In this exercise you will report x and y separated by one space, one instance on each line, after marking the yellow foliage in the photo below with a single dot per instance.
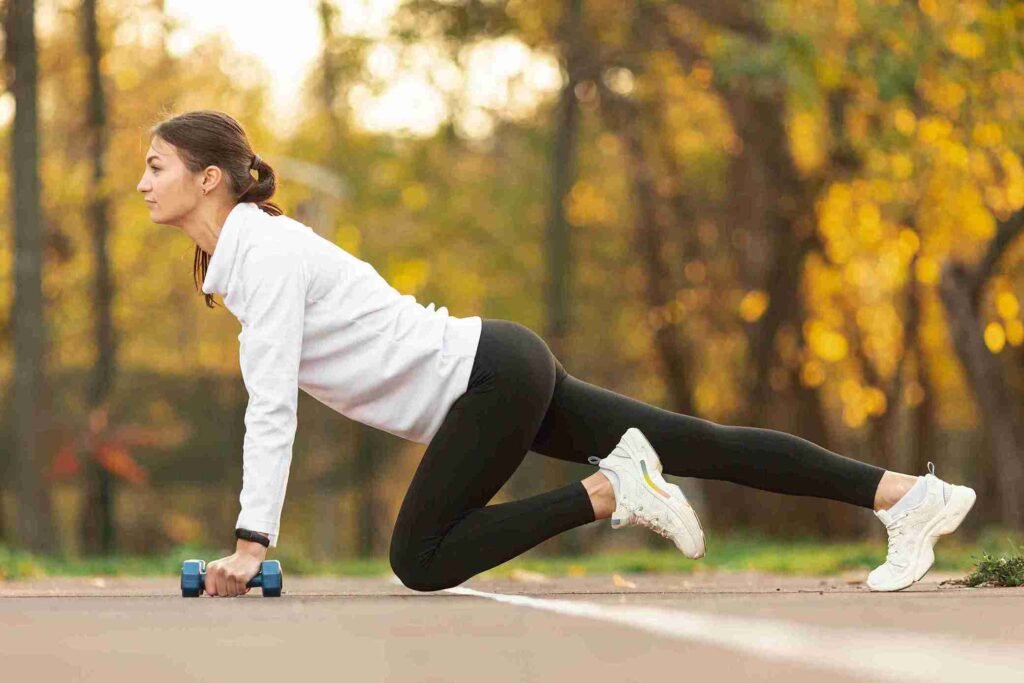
1014 170
407 276
932 129
705 396
877 162
902 166
1014 332
824 342
829 70
995 337
948 95
854 416
806 138
929 7
954 155
927 271
702 73
586 204
869 223
981 169
904 121
812 374
1007 305
966 44
348 237
753 305
874 401
415 196
987 134
181 527
909 242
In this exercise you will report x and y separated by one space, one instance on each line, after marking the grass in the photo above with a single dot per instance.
992 571
995 571
995 558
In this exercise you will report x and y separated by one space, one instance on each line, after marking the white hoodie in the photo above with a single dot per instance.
316 318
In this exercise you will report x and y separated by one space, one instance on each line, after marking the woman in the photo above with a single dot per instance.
479 392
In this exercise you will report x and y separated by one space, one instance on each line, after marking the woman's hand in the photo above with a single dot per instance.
228 575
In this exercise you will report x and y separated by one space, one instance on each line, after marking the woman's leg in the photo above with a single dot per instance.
585 420
445 531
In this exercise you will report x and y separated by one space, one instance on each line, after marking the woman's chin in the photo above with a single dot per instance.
157 216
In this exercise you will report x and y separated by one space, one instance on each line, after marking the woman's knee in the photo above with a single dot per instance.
421 579
413 573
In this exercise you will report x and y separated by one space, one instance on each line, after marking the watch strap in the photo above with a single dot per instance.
255 536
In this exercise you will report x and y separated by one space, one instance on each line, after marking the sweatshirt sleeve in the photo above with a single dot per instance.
270 346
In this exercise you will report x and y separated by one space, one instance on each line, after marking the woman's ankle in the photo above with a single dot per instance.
602 495
891 487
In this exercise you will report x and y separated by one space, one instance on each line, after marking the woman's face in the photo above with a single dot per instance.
170 190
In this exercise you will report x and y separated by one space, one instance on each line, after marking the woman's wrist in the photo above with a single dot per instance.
252 548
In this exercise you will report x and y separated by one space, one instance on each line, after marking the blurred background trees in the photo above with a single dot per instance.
801 215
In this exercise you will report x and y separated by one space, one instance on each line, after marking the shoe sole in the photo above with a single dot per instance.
946 522
677 500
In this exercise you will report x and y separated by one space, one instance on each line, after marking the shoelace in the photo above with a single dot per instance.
652 523
655 526
895 529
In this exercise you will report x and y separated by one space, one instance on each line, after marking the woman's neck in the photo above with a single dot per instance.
205 225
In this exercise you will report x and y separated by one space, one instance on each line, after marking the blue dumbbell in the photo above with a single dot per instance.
193 578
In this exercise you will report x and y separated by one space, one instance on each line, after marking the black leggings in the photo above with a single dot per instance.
519 399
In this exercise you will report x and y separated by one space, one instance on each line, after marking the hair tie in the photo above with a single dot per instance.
255 161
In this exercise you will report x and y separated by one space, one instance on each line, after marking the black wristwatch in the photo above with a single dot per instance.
255 536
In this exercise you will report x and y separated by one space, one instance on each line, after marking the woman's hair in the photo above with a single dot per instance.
212 138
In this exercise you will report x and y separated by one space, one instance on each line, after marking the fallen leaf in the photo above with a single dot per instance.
526 576
621 582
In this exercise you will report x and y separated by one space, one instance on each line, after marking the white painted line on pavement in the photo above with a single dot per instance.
882 653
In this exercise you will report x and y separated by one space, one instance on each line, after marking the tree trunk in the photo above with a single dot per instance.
559 251
369 456
98 525
924 414
654 218
34 528
960 289
775 208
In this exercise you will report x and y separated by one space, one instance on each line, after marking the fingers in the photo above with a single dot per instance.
214 583
221 581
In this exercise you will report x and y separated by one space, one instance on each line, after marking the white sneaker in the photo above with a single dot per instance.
644 498
913 532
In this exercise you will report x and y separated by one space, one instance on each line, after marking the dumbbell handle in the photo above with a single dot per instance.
254 582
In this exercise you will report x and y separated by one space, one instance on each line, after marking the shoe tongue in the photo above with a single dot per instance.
884 516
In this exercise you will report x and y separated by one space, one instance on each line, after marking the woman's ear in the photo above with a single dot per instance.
210 179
